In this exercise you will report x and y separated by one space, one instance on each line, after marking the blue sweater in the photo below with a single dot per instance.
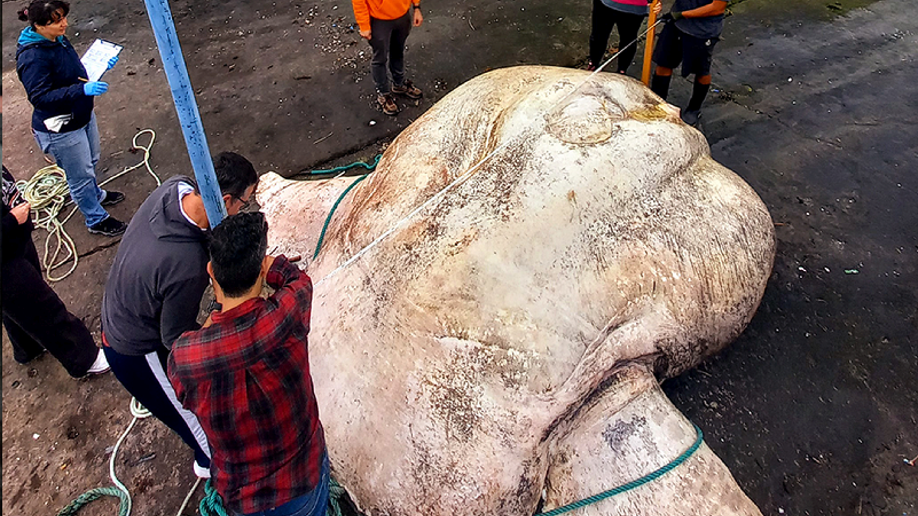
50 72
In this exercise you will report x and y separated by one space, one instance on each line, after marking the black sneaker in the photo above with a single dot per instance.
110 227
111 198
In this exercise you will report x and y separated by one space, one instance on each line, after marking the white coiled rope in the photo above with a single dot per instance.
47 193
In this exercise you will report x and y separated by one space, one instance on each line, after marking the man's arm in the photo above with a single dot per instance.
362 14
290 305
715 8
418 18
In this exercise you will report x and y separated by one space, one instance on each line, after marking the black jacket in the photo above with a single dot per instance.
154 289
50 72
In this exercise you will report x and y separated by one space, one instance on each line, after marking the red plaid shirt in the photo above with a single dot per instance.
246 377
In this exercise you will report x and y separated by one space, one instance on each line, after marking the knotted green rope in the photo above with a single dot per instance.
650 477
212 504
95 494
336 494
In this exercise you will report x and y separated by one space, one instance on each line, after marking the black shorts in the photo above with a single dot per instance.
675 46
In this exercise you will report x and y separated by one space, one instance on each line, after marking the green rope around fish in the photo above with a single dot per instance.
368 166
212 505
345 168
646 479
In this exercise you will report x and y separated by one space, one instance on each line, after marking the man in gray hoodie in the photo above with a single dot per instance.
155 287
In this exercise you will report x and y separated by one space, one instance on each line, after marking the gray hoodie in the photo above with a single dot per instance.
156 282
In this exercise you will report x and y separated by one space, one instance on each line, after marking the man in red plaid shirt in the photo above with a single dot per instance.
245 375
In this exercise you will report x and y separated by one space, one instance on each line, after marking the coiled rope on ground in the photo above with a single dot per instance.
47 193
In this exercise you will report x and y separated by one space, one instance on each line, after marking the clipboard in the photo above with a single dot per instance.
95 60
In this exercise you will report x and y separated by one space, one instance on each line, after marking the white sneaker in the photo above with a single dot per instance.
200 471
100 365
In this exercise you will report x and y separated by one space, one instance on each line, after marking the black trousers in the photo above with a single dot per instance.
145 378
387 38
36 319
604 18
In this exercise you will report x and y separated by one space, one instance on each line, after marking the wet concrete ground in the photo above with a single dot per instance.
814 408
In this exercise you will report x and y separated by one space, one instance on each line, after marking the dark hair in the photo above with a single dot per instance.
235 174
237 249
44 12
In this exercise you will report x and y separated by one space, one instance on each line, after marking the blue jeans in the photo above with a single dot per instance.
77 152
314 503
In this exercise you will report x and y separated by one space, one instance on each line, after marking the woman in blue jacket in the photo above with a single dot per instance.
63 121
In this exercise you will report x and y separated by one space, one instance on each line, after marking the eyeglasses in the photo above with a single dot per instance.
245 202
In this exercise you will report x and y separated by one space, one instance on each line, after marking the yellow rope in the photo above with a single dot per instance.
47 192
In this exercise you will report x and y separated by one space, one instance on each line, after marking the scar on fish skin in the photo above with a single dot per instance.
572 198
649 114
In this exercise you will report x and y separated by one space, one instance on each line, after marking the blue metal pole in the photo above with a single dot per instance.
187 108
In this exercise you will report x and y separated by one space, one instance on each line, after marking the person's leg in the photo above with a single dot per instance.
39 319
322 490
95 150
667 55
74 153
380 35
628 27
698 58
699 92
25 348
599 32
401 28
145 378
314 503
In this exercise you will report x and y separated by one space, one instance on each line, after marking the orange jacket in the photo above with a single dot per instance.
380 9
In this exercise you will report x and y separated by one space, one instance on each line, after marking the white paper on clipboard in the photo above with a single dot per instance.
95 60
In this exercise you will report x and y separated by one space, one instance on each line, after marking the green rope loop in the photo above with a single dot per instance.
650 477
94 494
343 168
332 212
368 166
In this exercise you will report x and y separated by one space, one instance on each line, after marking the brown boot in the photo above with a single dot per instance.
409 90
387 103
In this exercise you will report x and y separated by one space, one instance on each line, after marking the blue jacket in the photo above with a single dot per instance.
49 70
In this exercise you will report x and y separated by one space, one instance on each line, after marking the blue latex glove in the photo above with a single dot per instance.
111 62
95 88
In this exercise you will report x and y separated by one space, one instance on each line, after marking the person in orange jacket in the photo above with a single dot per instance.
386 25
